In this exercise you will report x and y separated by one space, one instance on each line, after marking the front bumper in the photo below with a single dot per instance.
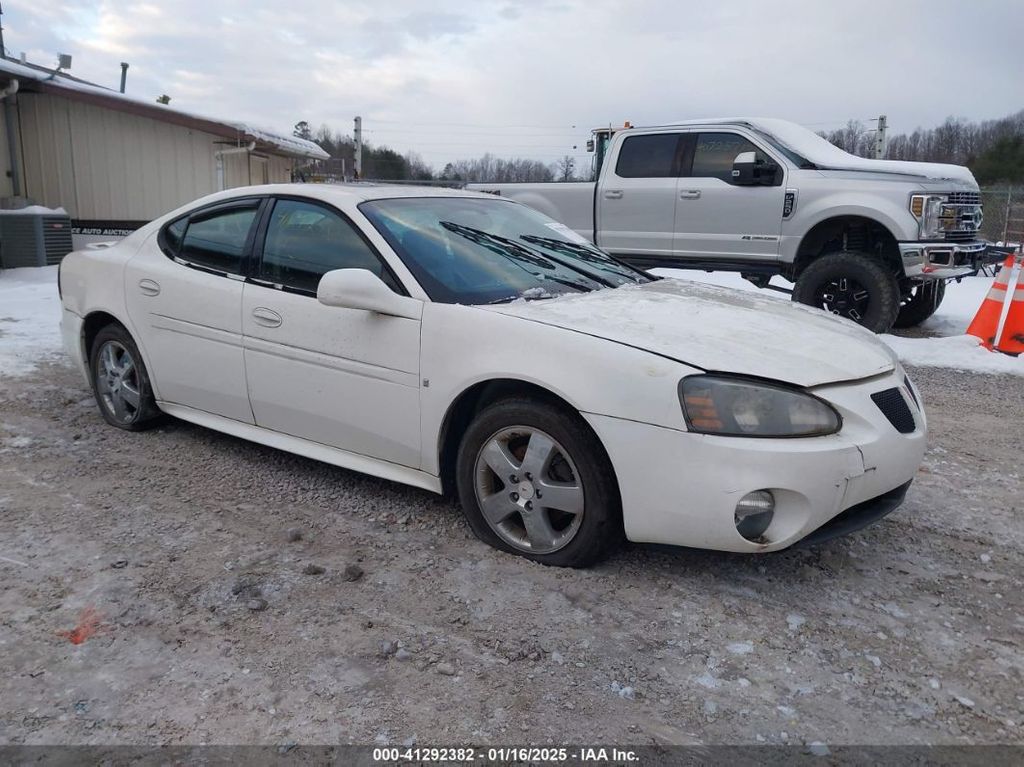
944 260
681 488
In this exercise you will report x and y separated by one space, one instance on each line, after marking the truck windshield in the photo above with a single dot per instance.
472 251
794 157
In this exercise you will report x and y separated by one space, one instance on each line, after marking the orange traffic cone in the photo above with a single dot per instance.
999 322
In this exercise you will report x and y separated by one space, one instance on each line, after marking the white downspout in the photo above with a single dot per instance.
12 139
219 155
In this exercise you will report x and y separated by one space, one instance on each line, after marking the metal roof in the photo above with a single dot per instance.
33 78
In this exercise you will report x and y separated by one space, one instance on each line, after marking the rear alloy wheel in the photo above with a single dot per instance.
120 381
920 303
851 285
534 481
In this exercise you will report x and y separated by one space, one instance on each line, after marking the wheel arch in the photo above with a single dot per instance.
97 319
474 398
848 231
92 324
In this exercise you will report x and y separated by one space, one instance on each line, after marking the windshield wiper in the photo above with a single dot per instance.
502 245
587 253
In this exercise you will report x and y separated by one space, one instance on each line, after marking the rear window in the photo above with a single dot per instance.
173 236
218 240
654 156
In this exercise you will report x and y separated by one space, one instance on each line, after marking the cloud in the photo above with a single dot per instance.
456 78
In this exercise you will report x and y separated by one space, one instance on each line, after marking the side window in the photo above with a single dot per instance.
654 156
173 236
304 241
715 153
218 241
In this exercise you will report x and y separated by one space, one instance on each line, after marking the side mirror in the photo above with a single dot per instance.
361 289
747 170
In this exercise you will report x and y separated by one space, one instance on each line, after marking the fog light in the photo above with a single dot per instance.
754 513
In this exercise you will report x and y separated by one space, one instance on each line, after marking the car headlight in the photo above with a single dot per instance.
928 210
738 407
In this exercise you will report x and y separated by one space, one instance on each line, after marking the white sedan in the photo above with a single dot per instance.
464 343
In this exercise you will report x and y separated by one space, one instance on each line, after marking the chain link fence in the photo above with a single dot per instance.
1004 214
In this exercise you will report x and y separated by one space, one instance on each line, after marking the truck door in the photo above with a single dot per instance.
718 220
636 196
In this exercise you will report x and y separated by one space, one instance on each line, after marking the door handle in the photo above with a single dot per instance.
266 317
689 194
149 287
613 194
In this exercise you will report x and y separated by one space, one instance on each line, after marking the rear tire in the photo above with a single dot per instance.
120 382
851 285
545 480
921 303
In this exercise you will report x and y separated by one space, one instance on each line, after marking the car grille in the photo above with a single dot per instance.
896 409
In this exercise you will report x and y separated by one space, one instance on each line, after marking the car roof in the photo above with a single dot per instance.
354 192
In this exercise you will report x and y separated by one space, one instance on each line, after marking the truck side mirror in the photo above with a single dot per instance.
747 170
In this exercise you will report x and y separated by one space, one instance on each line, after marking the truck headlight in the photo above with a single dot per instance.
738 407
928 210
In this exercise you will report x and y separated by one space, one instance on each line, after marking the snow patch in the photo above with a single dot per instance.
29 319
33 210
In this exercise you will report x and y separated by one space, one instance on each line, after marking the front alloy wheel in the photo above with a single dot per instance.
534 480
529 490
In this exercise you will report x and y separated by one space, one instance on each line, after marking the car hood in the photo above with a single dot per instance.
719 329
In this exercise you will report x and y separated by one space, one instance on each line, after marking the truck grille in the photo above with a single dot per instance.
896 409
961 211
964 236
965 198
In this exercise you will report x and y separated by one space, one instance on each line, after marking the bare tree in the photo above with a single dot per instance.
565 168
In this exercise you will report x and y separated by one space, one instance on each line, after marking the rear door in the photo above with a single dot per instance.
718 220
184 295
636 197
346 378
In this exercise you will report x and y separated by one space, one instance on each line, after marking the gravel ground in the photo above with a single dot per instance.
244 595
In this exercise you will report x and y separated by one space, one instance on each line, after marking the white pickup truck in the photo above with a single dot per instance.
871 240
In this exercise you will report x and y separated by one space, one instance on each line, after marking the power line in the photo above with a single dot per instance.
466 125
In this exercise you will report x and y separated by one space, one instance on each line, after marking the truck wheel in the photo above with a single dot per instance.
920 303
852 285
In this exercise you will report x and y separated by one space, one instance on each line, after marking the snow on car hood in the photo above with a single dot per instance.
827 156
719 329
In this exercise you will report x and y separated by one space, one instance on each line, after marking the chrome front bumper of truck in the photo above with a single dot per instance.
943 260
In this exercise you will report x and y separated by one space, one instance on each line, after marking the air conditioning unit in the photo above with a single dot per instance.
33 237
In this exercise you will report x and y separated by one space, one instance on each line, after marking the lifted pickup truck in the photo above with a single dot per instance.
871 240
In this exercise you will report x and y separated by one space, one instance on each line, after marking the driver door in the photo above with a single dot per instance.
716 219
347 378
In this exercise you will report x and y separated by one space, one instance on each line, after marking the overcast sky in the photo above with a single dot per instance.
454 78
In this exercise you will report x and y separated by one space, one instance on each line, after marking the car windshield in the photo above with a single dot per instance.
472 251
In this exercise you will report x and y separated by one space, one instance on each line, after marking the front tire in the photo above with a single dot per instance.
534 480
851 285
920 303
120 382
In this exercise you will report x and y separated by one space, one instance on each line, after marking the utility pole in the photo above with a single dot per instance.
880 138
357 135
3 50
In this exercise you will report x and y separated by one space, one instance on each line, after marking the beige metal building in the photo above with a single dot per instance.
114 162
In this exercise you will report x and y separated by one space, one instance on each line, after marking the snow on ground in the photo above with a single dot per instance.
30 322
947 347
29 318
